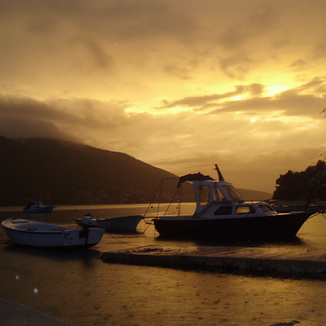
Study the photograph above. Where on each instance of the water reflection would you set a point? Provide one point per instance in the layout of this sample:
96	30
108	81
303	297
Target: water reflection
86	257
76	286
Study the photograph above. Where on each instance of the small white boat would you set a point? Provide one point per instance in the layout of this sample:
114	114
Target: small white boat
114	223
40	234
36	206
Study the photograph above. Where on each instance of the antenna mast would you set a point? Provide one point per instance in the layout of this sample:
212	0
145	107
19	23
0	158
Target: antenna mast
220	176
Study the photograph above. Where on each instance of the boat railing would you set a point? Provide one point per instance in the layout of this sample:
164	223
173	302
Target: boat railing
157	199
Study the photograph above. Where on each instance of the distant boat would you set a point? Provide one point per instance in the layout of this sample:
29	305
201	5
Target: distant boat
40	234
289	208
297	207
36	206
114	223
221	214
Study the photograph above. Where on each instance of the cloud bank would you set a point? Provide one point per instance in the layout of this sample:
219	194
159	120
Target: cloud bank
178	84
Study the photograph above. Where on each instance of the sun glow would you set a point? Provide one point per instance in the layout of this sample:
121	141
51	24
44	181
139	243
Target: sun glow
240	97
270	91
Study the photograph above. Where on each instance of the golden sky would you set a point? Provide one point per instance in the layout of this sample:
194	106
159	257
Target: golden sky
179	84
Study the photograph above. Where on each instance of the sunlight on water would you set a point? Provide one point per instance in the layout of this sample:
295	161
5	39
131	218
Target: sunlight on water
78	287
89	293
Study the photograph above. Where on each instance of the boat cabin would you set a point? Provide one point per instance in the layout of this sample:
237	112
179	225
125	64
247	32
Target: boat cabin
208	192
220	198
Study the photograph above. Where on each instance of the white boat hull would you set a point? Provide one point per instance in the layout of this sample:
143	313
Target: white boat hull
39	234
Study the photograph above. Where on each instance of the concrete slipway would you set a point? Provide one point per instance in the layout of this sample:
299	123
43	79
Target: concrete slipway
280	262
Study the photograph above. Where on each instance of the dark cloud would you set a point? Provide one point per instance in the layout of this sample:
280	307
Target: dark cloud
29	128
298	64
107	125
236	66
41	25
180	71
27	108
25	117
101	59
319	52
75	41
259	23
302	100
288	103
122	21
96	70
315	86
201	102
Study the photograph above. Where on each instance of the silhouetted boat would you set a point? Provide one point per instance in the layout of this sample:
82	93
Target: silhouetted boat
114	223
221	214
40	234
284	207
36	206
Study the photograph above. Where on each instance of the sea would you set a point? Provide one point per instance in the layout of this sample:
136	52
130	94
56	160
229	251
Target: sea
79	288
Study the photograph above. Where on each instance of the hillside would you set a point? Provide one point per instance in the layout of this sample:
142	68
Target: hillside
68	173
59	172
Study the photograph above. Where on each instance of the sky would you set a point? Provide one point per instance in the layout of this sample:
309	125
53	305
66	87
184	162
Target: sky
178	84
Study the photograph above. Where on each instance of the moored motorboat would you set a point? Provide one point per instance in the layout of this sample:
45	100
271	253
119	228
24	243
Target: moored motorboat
36	206
221	214
40	234
114	223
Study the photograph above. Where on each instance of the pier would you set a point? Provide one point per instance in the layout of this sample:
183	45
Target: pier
280	262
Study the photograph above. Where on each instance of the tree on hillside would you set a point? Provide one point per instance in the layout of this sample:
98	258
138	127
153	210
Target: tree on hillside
302	185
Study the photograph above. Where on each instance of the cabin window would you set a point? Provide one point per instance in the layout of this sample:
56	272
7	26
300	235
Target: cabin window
203	195
232	192
264	208
244	210
218	196
224	210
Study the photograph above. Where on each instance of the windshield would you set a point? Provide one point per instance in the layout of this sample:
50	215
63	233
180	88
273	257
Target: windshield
203	195
232	192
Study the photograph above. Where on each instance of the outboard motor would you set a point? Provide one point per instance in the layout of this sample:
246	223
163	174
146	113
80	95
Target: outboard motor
88	220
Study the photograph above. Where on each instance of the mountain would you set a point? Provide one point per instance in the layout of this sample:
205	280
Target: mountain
68	173
60	172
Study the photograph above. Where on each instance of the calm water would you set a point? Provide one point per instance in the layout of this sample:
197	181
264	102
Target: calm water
78	287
